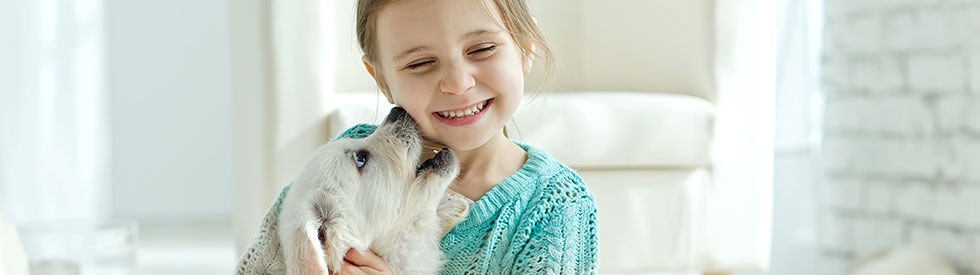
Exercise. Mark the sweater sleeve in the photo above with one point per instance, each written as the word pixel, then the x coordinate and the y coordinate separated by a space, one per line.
pixel 358 131
pixel 564 240
pixel 263 256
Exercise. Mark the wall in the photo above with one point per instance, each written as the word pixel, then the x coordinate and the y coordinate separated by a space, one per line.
pixel 54 132
pixel 902 129
pixel 587 37
pixel 169 85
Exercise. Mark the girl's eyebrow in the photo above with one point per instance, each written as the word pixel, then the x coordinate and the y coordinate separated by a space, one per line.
pixel 423 48
pixel 478 33
pixel 411 51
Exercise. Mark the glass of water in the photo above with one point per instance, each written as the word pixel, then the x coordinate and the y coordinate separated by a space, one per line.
pixel 80 247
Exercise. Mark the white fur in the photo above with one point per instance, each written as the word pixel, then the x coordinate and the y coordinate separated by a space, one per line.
pixel 388 206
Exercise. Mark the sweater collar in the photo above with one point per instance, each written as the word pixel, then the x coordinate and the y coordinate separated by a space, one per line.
pixel 521 184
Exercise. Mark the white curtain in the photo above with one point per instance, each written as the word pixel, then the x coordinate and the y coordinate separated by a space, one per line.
pixel 54 141
pixel 745 69
pixel 283 82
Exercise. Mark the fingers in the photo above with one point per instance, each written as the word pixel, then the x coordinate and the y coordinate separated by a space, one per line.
pixel 368 259
pixel 350 269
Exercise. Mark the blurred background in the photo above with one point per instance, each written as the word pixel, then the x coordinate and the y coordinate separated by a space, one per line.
pixel 152 136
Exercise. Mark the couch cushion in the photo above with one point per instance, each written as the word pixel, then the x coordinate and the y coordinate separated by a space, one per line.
pixel 650 219
pixel 588 130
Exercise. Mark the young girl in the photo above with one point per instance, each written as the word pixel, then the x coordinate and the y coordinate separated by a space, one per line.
pixel 458 67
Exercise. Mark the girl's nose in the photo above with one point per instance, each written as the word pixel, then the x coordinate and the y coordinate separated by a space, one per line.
pixel 456 81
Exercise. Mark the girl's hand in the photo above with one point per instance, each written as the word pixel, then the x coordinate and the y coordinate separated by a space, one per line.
pixel 367 263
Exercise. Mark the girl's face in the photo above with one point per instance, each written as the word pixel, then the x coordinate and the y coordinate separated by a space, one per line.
pixel 452 66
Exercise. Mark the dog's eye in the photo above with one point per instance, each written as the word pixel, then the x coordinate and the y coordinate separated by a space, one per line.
pixel 360 158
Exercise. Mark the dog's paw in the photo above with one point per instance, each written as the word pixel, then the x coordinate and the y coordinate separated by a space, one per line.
pixel 453 209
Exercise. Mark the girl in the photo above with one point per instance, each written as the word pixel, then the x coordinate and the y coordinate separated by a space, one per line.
pixel 458 67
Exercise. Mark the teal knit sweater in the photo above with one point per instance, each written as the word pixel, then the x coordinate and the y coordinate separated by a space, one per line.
pixel 540 220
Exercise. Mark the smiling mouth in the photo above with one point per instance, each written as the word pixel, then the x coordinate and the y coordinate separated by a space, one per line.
pixel 464 112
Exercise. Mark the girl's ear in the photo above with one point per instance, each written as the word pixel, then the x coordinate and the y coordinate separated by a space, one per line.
pixel 377 79
pixel 529 57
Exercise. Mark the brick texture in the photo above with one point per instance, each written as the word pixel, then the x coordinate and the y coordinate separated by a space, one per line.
pixel 901 151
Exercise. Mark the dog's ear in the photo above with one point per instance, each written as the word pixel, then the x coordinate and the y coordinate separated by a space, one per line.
pixel 301 251
pixel 333 253
pixel 305 233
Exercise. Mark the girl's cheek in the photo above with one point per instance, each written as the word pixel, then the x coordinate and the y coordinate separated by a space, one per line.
pixel 504 77
pixel 404 90
pixel 413 96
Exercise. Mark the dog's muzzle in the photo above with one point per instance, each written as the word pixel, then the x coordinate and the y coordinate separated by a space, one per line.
pixel 405 128
pixel 396 114
pixel 439 163
pixel 400 125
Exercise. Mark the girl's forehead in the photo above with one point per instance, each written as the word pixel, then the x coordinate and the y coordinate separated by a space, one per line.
pixel 438 10
pixel 407 24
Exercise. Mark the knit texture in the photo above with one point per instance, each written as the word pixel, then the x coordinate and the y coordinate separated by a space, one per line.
pixel 264 255
pixel 540 220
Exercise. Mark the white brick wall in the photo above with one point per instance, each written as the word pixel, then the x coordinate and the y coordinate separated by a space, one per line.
pixel 974 68
pixel 879 156
pixel 916 29
pixel 952 113
pixel 957 205
pixel 847 194
pixel 877 76
pixel 901 152
pixel 961 156
pixel 915 202
pixel 872 234
pixel 945 73
pixel 858 34
pixel 881 198
pixel 893 114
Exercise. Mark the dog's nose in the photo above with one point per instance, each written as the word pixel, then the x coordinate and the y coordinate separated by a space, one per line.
pixel 395 114
pixel 441 158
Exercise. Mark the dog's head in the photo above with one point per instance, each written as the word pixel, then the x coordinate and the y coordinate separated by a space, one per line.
pixel 382 176
pixel 354 190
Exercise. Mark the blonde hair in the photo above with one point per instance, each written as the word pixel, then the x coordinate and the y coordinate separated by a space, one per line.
pixel 514 13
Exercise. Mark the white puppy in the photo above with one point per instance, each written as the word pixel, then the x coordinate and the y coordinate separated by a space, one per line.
pixel 368 193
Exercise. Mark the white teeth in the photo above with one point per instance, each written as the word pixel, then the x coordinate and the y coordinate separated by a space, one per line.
pixel 464 113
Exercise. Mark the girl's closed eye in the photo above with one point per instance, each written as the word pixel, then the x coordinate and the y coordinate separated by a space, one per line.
pixel 419 64
pixel 483 51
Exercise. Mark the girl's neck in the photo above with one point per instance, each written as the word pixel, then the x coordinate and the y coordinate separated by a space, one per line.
pixel 484 167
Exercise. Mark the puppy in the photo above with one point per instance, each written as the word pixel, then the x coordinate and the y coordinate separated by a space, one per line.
pixel 368 193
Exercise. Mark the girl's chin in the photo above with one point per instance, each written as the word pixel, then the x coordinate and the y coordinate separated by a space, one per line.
pixel 464 141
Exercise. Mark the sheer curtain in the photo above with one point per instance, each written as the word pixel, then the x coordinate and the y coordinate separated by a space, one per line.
pixel 745 72
pixel 54 141
pixel 283 81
